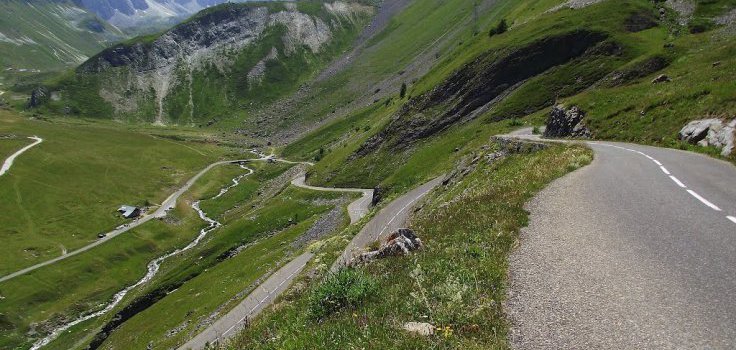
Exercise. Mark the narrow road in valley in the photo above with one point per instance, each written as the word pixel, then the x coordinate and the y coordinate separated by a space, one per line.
pixel 229 325
pixel 357 209
pixel 391 218
pixel 388 220
pixel 9 161
pixel 152 267
pixel 167 204
pixel 635 251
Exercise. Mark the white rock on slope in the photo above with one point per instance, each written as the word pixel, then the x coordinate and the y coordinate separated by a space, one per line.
pixel 710 132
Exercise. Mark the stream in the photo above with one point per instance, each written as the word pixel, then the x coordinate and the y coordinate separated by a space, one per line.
pixel 153 266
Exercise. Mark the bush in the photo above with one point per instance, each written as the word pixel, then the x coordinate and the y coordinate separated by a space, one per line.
pixel 402 94
pixel 345 288
pixel 536 130
pixel 700 25
pixel 500 28
pixel 515 122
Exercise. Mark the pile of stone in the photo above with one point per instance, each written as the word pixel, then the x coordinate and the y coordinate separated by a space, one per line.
pixel 400 243
pixel 710 132
pixel 566 123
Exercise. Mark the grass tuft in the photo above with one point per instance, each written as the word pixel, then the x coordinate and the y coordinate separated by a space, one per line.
pixel 345 288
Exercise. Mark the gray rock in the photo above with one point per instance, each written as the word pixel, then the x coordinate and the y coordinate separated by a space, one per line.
pixel 710 132
pixel 399 243
pixel 39 96
pixel 421 328
pixel 566 123
pixel 662 78
pixel 697 130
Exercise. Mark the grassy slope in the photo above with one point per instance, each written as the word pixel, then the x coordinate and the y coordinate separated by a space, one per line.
pixel 223 97
pixel 58 29
pixel 668 107
pixel 66 190
pixel 647 113
pixel 70 167
pixel 265 230
pixel 226 284
pixel 464 296
pixel 11 145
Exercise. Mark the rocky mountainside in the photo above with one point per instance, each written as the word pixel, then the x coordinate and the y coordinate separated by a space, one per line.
pixel 43 35
pixel 133 14
pixel 204 69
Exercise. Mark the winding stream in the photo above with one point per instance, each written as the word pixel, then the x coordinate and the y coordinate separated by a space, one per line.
pixel 153 266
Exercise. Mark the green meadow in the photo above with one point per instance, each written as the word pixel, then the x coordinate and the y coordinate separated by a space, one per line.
pixel 63 192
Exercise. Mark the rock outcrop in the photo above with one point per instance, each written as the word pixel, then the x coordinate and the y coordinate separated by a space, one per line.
pixel 566 123
pixel 710 132
pixel 215 59
pixel 399 243
pixel 39 96
pixel 480 84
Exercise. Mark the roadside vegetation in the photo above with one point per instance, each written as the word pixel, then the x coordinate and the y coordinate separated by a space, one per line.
pixel 256 238
pixel 391 120
pixel 456 282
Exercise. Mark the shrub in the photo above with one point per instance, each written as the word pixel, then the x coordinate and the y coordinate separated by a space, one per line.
pixel 515 122
pixel 536 130
pixel 346 288
pixel 402 94
pixel 500 28
pixel 699 25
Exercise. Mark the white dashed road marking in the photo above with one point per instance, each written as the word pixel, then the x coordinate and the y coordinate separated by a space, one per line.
pixel 705 201
pixel 676 180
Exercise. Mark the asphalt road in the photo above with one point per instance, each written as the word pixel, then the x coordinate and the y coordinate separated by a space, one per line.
pixel 635 251
pixel 390 218
pixel 229 325
pixel 356 210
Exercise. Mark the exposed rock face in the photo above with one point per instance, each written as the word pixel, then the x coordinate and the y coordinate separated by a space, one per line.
pixel 684 8
pixel 38 97
pixel 574 4
pixel 566 123
pixel 640 70
pixel 399 243
pixel 480 84
pixel 255 76
pixel 710 132
pixel 134 75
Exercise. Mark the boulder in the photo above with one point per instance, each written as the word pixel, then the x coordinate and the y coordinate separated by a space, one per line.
pixel 399 243
pixel 39 96
pixel 710 132
pixel 662 78
pixel 566 123
pixel 420 328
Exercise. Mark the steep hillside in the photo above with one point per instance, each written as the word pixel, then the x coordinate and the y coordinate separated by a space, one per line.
pixel 602 56
pixel 49 35
pixel 138 16
pixel 639 70
pixel 203 70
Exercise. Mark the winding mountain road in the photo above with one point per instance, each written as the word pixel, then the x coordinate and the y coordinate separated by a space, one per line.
pixel 9 161
pixel 167 204
pixel 635 251
pixel 390 218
